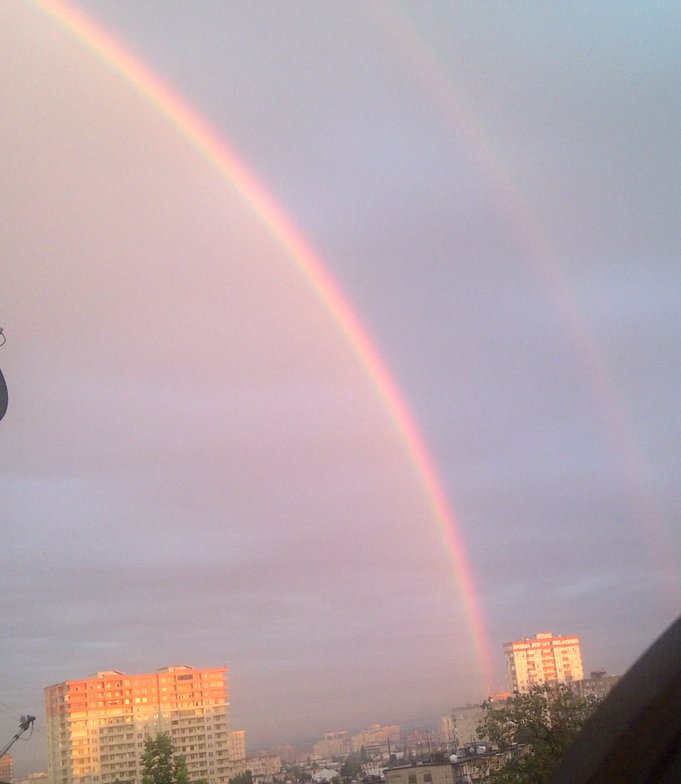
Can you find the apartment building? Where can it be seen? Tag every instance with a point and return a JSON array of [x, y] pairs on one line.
[[237, 745], [543, 659], [334, 744], [6, 769], [97, 726]]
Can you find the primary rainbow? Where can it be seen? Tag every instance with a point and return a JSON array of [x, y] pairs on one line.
[[205, 140]]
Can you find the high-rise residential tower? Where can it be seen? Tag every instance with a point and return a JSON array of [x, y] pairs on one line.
[[543, 659], [97, 726]]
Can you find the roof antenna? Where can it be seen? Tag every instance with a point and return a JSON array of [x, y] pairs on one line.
[[25, 723]]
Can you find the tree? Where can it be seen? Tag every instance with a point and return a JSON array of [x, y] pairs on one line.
[[533, 731], [159, 763]]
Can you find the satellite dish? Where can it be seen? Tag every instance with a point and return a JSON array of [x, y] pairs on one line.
[[3, 396]]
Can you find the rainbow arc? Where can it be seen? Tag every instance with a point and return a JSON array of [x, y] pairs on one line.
[[218, 154]]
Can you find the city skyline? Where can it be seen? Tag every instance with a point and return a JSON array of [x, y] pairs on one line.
[[341, 346]]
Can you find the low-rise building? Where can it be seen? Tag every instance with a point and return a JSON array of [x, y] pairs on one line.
[[466, 720], [263, 767], [473, 769], [598, 685]]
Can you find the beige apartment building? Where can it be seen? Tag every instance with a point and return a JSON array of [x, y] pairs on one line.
[[97, 726], [543, 659]]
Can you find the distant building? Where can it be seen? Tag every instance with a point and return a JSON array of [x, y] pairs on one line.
[[7, 769], [375, 738], [598, 684], [325, 775], [419, 740], [237, 745], [466, 720], [38, 777], [96, 726], [263, 767], [543, 659], [287, 752], [447, 730], [334, 744]]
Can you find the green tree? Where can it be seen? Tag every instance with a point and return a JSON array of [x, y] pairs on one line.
[[533, 731], [160, 765]]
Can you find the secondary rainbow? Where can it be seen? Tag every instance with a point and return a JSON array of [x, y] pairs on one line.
[[214, 149], [533, 239]]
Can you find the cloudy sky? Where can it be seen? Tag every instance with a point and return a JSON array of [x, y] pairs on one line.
[[195, 466]]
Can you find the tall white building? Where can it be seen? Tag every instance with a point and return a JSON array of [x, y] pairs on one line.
[[97, 726], [543, 659]]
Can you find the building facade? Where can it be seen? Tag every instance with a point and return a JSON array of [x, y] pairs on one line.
[[264, 767], [473, 770], [598, 684], [376, 738], [6, 769], [466, 720], [334, 744], [97, 726], [543, 659], [237, 745]]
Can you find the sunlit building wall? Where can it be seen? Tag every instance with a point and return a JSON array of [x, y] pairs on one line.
[[543, 659], [7, 769], [97, 726]]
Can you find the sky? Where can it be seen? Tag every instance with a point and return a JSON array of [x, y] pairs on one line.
[[196, 465]]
